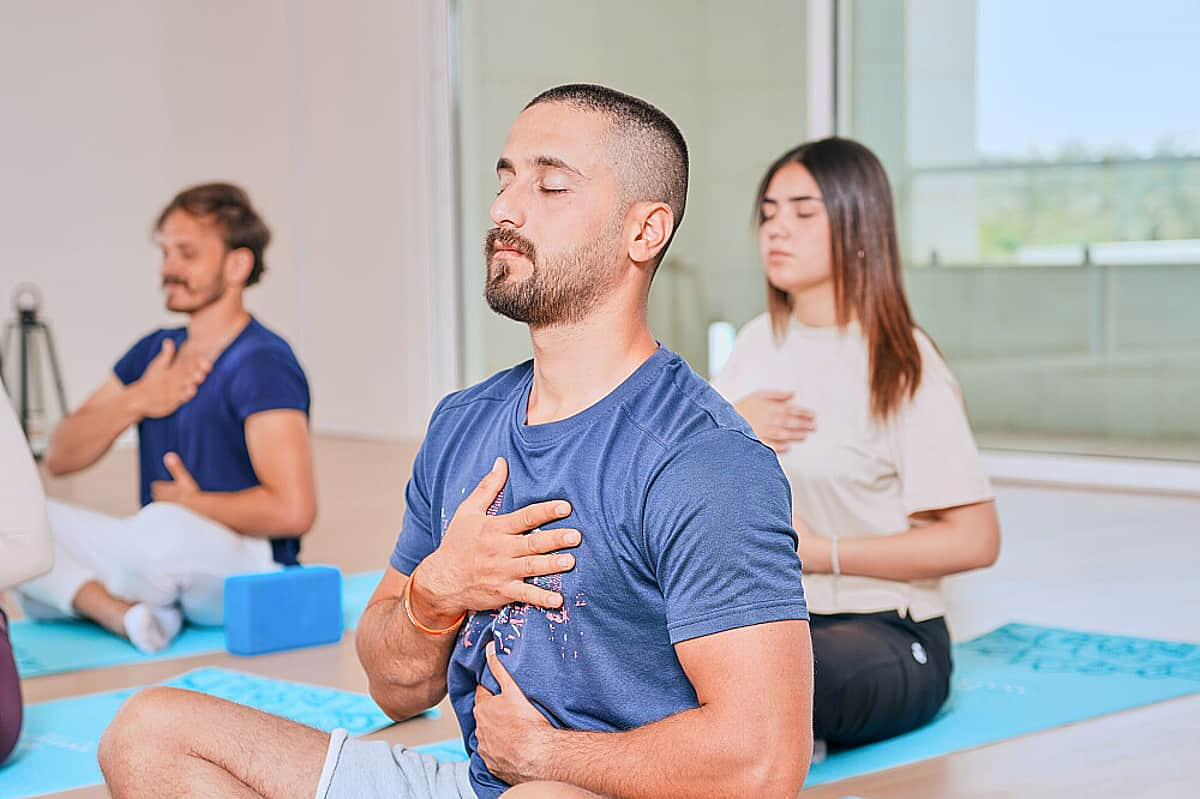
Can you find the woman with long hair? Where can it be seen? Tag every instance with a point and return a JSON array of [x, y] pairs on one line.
[[888, 494]]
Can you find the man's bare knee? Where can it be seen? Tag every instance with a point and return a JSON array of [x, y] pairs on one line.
[[141, 728], [151, 725], [547, 790], [165, 736]]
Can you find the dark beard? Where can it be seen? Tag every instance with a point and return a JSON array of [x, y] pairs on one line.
[[208, 295], [562, 291]]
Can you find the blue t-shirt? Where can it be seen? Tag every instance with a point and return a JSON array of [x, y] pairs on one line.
[[686, 523], [257, 372]]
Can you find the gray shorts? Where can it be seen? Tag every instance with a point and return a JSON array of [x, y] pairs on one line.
[[368, 769]]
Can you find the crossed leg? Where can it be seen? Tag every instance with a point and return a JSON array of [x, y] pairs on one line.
[[547, 790], [171, 743]]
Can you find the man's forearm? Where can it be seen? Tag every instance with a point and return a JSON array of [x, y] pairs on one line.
[[84, 436], [256, 512], [695, 754], [406, 667]]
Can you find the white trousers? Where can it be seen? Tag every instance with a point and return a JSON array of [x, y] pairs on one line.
[[163, 555]]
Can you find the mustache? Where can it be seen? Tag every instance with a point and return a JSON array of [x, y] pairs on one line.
[[509, 238], [171, 280]]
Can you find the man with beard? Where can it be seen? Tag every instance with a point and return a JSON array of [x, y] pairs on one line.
[[221, 407], [596, 561]]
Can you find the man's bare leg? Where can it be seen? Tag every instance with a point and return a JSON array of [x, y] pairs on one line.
[[171, 743], [547, 790]]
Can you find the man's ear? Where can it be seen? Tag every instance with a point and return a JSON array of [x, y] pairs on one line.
[[654, 224], [238, 265]]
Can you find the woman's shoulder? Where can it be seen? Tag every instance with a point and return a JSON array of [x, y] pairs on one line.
[[934, 369], [734, 377], [757, 330]]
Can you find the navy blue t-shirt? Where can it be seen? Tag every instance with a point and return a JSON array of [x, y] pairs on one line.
[[686, 523], [257, 372]]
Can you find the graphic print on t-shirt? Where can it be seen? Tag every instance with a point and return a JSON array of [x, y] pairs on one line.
[[647, 472], [478, 622], [513, 616]]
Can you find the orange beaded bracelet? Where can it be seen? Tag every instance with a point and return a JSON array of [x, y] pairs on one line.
[[412, 617]]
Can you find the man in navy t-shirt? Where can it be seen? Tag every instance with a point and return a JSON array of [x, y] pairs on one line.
[[596, 563], [221, 408]]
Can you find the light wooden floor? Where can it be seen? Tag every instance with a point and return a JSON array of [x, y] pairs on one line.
[[1113, 563]]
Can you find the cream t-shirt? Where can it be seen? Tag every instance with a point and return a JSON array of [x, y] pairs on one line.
[[853, 477], [25, 544]]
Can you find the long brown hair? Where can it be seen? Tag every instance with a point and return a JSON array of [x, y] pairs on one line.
[[867, 279]]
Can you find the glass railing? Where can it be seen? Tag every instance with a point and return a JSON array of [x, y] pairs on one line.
[[1116, 210]]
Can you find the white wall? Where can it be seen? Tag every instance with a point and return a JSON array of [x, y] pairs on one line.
[[335, 119]]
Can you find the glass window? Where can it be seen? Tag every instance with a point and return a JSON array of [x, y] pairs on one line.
[[1046, 163]]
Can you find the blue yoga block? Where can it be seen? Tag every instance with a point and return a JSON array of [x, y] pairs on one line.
[[296, 607]]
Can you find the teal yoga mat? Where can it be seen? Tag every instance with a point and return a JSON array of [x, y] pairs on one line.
[[1021, 679], [1013, 681], [54, 647], [57, 751], [57, 646]]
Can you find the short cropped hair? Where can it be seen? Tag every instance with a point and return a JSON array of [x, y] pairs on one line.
[[651, 155]]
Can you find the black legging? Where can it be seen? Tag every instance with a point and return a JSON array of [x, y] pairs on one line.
[[877, 675], [10, 694]]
